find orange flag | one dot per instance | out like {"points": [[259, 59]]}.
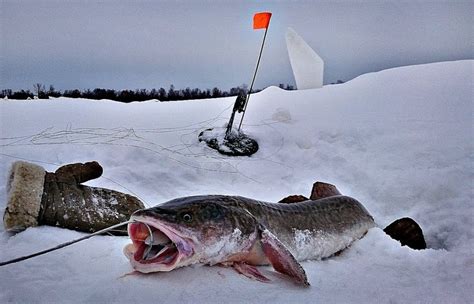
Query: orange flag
{"points": [[261, 20]]}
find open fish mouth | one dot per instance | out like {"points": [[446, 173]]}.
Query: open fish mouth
{"points": [[156, 246]]}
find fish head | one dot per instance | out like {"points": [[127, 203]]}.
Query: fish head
{"points": [[178, 233]]}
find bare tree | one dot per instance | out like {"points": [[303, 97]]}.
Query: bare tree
{"points": [[39, 89]]}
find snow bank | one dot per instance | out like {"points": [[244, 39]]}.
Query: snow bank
{"points": [[399, 140]]}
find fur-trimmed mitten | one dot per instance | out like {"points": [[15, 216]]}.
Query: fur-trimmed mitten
{"points": [[37, 197]]}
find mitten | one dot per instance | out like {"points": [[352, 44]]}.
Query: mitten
{"points": [[37, 197]]}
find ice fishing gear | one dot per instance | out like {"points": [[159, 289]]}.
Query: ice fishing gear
{"points": [[260, 21], [237, 143], [238, 107]]}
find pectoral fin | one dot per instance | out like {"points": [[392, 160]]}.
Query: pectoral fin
{"points": [[250, 271], [281, 258]]}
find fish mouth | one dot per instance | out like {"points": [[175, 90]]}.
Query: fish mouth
{"points": [[156, 246]]}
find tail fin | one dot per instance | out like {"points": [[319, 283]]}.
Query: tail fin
{"points": [[407, 232]]}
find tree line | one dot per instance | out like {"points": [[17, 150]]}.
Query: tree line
{"points": [[171, 94]]}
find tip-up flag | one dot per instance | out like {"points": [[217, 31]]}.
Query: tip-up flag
{"points": [[261, 20]]}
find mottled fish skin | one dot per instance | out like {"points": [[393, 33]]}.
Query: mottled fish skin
{"points": [[311, 229]]}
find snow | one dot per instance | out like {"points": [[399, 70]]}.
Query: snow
{"points": [[400, 141], [307, 65]]}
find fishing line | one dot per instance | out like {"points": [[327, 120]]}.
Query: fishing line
{"points": [[26, 257]]}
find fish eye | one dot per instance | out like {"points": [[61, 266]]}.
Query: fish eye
{"points": [[187, 217]]}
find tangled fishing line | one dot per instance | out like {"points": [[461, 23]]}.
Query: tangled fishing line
{"points": [[142, 139]]}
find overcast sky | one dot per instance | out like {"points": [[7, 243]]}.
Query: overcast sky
{"points": [[151, 44]]}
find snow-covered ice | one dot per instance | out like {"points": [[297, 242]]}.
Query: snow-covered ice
{"points": [[399, 140]]}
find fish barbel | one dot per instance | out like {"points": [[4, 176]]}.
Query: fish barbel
{"points": [[244, 233]]}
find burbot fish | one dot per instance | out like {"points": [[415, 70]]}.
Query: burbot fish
{"points": [[244, 233]]}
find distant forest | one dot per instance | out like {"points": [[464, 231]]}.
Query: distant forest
{"points": [[39, 91]]}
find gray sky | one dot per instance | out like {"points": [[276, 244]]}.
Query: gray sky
{"points": [[150, 44]]}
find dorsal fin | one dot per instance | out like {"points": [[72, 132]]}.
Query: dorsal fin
{"points": [[293, 199], [322, 190]]}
